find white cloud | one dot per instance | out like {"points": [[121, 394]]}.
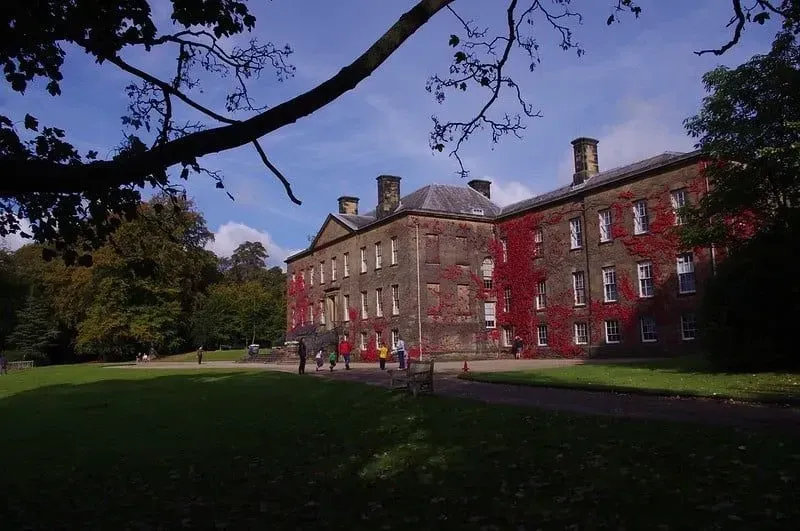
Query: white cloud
{"points": [[231, 234], [648, 129], [506, 193]]}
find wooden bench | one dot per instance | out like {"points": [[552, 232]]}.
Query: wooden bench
{"points": [[19, 365], [417, 378]]}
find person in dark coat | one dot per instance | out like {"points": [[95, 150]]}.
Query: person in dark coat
{"points": [[517, 347], [303, 353]]}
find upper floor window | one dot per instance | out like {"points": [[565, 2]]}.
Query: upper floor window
{"points": [[641, 219], [395, 300], [333, 269], [645, 271], [346, 304], [363, 259], [686, 280], [378, 256], [538, 242], [604, 221], [579, 288], [322, 272], [575, 233], [346, 264], [393, 243], [431, 248], [364, 305], [609, 284], [541, 295], [506, 299], [312, 275], [379, 302], [487, 272], [504, 249], [489, 314], [678, 200]]}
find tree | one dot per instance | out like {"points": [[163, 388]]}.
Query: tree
{"points": [[248, 262], [36, 333], [73, 199], [12, 294], [749, 129]]}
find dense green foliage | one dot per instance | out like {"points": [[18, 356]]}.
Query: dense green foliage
{"points": [[220, 449], [153, 285], [749, 128], [752, 303]]}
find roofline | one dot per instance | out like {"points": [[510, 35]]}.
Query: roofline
{"points": [[394, 216], [686, 157]]}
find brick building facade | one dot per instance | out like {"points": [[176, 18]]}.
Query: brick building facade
{"points": [[593, 268]]}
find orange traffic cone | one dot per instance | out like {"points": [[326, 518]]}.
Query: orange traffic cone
{"points": [[466, 367]]}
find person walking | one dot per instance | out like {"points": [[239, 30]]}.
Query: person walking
{"points": [[302, 351], [400, 350], [344, 350], [3, 363], [200, 355], [383, 353], [332, 359], [517, 347]]}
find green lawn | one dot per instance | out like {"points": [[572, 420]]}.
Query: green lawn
{"points": [[216, 355], [99, 448], [673, 377]]}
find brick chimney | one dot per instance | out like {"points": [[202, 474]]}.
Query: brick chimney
{"points": [[482, 187], [348, 205], [586, 164], [388, 195]]}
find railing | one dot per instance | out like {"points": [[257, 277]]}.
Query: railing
{"points": [[19, 365]]}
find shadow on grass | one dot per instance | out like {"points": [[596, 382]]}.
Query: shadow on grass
{"points": [[237, 450], [674, 377]]}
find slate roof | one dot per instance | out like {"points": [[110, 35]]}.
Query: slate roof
{"points": [[465, 201], [601, 179]]}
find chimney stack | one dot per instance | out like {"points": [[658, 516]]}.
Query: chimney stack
{"points": [[482, 187], [388, 195], [348, 205], [586, 164]]}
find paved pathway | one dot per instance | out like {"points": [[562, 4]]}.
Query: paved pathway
{"points": [[704, 411]]}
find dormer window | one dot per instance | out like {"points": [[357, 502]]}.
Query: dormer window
{"points": [[477, 211]]}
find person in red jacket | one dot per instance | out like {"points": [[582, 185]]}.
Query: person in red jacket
{"points": [[344, 351]]}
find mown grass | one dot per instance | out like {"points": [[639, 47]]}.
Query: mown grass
{"points": [[110, 448], [689, 376], [215, 355]]}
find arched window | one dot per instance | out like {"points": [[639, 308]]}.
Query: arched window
{"points": [[487, 271]]}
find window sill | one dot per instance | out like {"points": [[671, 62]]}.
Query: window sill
{"points": [[579, 305], [646, 296], [541, 344], [687, 293], [581, 344], [611, 302], [606, 242], [576, 249], [687, 339], [649, 340], [645, 233], [612, 342], [393, 265]]}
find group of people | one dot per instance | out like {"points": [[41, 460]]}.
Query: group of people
{"points": [[344, 350]]}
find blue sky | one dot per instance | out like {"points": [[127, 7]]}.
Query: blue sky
{"points": [[631, 90]]}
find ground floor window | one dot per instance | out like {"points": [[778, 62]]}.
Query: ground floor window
{"points": [[688, 327], [581, 333], [363, 341], [508, 336], [541, 335], [489, 314], [612, 332], [395, 337], [648, 327]]}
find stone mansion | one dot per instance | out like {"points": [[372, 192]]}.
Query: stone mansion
{"points": [[594, 268]]}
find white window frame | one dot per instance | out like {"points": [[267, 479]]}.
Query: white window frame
{"points": [[378, 302], [346, 304], [310, 313], [648, 329], [363, 259], [538, 242], [322, 272], [346, 265], [504, 248], [362, 340], [322, 312], [294, 278], [541, 295], [581, 333], [364, 305], [490, 314], [612, 329], [333, 269], [579, 287], [688, 324], [508, 336], [395, 337], [687, 282], [678, 198], [541, 335], [610, 292], [395, 299], [393, 243], [378, 255], [507, 299], [644, 271], [604, 222], [641, 217], [312, 275], [303, 277], [575, 234], [487, 272], [378, 338]]}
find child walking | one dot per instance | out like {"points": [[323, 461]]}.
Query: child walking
{"points": [[332, 360], [383, 353], [318, 359]]}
